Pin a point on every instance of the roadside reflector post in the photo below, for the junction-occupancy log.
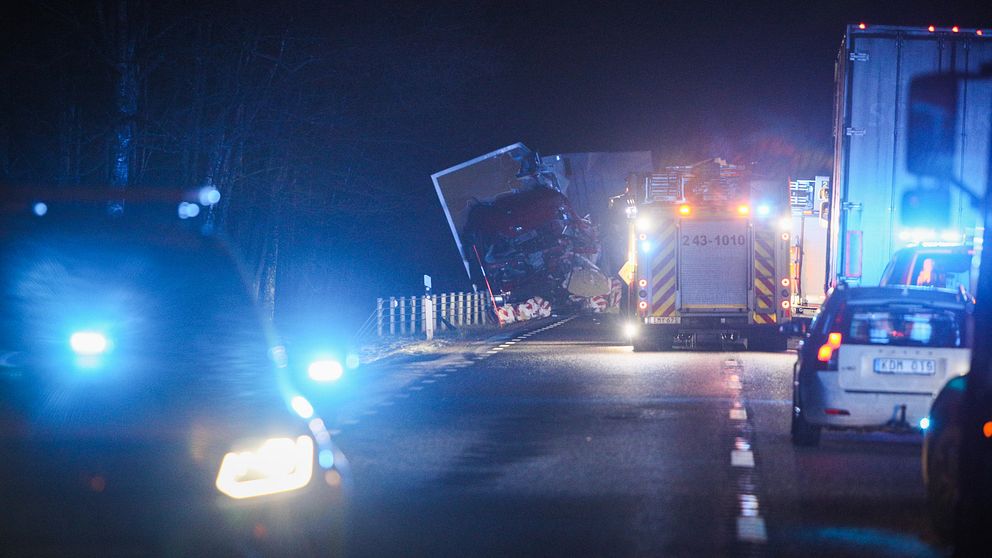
(427, 304)
(378, 315)
(444, 307)
(460, 309)
(402, 315)
(429, 316)
(392, 315)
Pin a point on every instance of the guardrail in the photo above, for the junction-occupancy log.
(410, 315)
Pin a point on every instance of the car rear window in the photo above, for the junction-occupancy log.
(922, 327)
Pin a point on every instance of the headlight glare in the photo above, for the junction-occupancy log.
(277, 465)
(325, 370)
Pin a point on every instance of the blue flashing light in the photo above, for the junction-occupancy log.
(302, 406)
(646, 246)
(89, 343)
(40, 209)
(325, 458)
(188, 210)
(924, 423)
(209, 195)
(764, 210)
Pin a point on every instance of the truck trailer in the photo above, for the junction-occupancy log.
(707, 264)
(875, 67)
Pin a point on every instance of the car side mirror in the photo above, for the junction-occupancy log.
(926, 208)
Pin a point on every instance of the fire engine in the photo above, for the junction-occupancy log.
(707, 259)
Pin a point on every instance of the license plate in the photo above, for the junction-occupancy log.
(664, 319)
(905, 366)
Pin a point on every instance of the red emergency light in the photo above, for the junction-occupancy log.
(862, 25)
(931, 29)
(955, 29)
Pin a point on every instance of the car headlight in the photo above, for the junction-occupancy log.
(277, 465)
(325, 370)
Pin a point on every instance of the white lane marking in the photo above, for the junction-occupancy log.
(491, 352)
(403, 395)
(350, 422)
(496, 349)
(415, 388)
(440, 375)
(749, 505)
(751, 529)
(387, 403)
(370, 412)
(742, 458)
(738, 414)
(429, 381)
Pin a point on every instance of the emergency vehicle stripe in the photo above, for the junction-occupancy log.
(764, 277)
(663, 272)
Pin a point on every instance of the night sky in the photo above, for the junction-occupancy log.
(380, 95)
(749, 81)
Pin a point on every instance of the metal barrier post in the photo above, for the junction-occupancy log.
(392, 315)
(428, 305)
(378, 316)
(402, 315)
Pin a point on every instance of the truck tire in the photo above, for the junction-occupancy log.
(642, 345)
(941, 453)
(940, 458)
(660, 339)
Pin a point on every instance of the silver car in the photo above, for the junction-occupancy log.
(875, 357)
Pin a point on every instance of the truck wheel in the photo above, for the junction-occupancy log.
(941, 453)
(643, 345)
(802, 432)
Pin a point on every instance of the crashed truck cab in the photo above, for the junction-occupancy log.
(518, 231)
(708, 259)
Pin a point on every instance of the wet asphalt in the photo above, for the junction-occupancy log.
(558, 440)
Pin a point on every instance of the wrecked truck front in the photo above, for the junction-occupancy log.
(510, 221)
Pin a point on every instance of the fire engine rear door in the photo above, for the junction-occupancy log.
(713, 265)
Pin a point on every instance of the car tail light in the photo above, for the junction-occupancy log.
(828, 351)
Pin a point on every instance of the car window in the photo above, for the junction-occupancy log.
(890, 325)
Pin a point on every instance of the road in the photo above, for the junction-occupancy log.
(564, 442)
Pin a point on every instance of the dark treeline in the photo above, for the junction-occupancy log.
(307, 117)
(321, 122)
